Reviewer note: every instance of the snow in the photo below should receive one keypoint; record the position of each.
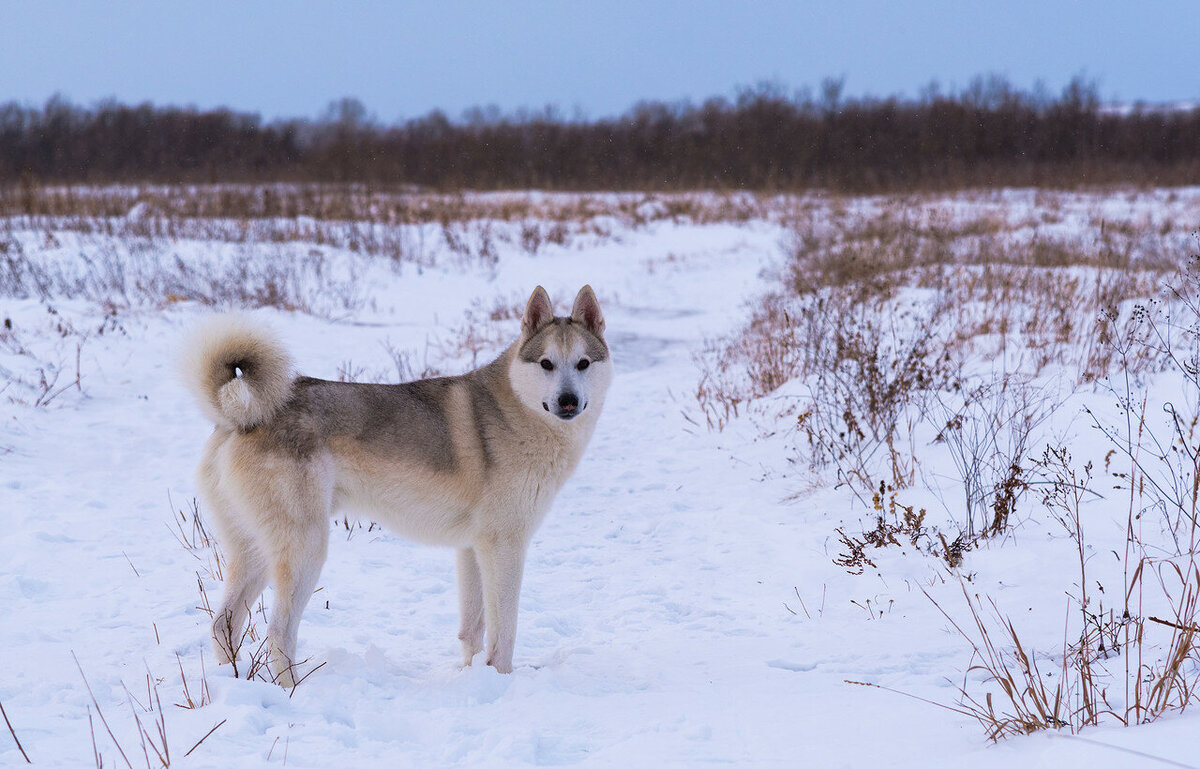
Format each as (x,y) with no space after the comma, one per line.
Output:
(680,604)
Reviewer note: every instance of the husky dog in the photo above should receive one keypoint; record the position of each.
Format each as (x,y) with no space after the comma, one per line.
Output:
(470,461)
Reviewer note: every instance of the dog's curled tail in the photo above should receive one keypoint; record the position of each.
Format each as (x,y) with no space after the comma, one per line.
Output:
(238,370)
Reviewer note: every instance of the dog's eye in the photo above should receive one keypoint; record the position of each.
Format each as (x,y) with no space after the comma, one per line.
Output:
(583,364)
(546,364)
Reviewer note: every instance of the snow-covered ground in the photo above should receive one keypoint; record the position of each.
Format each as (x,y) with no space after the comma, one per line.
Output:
(680,607)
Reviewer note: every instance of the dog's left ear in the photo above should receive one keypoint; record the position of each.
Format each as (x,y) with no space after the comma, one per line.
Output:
(587,311)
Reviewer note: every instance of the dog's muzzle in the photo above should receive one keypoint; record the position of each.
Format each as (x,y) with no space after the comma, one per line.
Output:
(567,407)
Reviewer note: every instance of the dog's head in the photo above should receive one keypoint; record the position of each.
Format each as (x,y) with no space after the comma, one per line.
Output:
(562,366)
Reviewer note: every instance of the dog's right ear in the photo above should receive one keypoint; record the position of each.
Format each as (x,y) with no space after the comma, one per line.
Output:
(538,312)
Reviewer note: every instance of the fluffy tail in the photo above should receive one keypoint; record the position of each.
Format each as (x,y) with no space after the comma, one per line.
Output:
(238,370)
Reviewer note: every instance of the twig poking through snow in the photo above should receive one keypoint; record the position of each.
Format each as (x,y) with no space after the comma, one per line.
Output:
(205,737)
(14,734)
(99,712)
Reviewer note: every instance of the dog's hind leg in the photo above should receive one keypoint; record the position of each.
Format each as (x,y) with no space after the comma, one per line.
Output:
(296,565)
(245,568)
(501,563)
(298,546)
(245,578)
(470,604)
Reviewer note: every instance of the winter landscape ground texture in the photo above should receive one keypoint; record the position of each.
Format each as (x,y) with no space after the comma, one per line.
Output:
(724,580)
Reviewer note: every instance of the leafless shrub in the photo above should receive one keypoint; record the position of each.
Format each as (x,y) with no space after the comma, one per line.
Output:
(1130,669)
(406,369)
(473,340)
(783,340)
(52,364)
(349,372)
(1163,457)
(719,403)
(403,367)
(881,304)
(869,392)
(536,234)
(988,432)
(191,532)
(471,242)
(896,525)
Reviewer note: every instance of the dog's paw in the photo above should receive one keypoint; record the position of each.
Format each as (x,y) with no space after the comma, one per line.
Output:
(284,677)
(501,666)
(282,668)
(469,649)
(221,651)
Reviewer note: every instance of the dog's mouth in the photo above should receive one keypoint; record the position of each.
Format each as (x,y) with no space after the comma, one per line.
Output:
(565,413)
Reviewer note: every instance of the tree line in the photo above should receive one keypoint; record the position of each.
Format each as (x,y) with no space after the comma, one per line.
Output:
(764,138)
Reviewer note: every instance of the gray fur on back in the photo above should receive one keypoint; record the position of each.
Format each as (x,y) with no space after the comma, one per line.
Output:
(409,421)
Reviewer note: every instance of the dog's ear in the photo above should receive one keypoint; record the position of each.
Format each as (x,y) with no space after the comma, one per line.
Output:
(538,312)
(587,311)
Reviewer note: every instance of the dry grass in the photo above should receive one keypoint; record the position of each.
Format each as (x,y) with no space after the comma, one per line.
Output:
(897,525)
(544,214)
(192,533)
(13,732)
(895,317)
(151,734)
(115,271)
(307,248)
(898,325)
(45,357)
(203,696)
(1130,667)
(1129,670)
(1126,669)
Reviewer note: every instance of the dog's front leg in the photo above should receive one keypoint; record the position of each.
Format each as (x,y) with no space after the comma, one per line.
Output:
(501,563)
(470,604)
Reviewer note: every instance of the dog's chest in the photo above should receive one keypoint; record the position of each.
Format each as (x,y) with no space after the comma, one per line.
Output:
(535,469)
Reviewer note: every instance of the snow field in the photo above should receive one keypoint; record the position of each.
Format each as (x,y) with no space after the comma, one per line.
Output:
(680,604)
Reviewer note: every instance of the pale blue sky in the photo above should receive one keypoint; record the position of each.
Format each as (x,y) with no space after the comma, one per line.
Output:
(405,58)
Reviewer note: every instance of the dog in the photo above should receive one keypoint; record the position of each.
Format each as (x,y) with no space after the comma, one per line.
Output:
(472,462)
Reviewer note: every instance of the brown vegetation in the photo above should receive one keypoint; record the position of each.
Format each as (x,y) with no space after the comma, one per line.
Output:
(900,325)
(900,318)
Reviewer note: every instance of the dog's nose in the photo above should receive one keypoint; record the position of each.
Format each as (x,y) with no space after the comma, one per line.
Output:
(568,402)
